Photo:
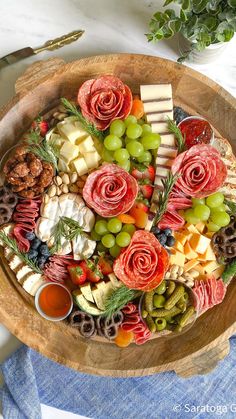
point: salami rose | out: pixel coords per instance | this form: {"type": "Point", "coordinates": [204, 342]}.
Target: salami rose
{"type": "Point", "coordinates": [110, 190]}
{"type": "Point", "coordinates": [142, 265]}
{"type": "Point", "coordinates": [104, 99]}
{"type": "Point", "coordinates": [201, 169]}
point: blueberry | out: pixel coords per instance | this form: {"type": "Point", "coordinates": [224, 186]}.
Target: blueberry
{"type": "Point", "coordinates": [44, 250]}
{"type": "Point", "coordinates": [41, 261]}
{"type": "Point", "coordinates": [170, 241]}
{"type": "Point", "coordinates": [167, 231]}
{"type": "Point", "coordinates": [35, 243]}
{"type": "Point", "coordinates": [30, 235]}
{"type": "Point", "coordinates": [179, 114]}
{"type": "Point", "coordinates": [155, 230]}
{"type": "Point", "coordinates": [32, 254]}
{"type": "Point", "coordinates": [162, 238]}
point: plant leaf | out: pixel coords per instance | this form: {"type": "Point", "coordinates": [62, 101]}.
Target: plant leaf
{"type": "Point", "coordinates": [199, 5]}
{"type": "Point", "coordinates": [232, 3]}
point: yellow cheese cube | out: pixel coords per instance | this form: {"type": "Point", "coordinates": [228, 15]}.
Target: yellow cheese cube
{"type": "Point", "coordinates": [191, 228]}
{"type": "Point", "coordinates": [92, 159]}
{"type": "Point", "coordinates": [210, 266]}
{"type": "Point", "coordinates": [218, 272]}
{"type": "Point", "coordinates": [69, 151]}
{"type": "Point", "coordinates": [190, 265]}
{"type": "Point", "coordinates": [180, 237]}
{"type": "Point", "coordinates": [200, 269]}
{"type": "Point", "coordinates": [86, 145]}
{"type": "Point", "coordinates": [179, 246]}
{"type": "Point", "coordinates": [189, 252]}
{"type": "Point", "coordinates": [199, 243]}
{"type": "Point", "coordinates": [177, 258]}
{"type": "Point", "coordinates": [63, 166]}
{"type": "Point", "coordinates": [209, 254]}
{"type": "Point", "coordinates": [80, 166]}
{"type": "Point", "coordinates": [210, 234]}
{"type": "Point", "coordinates": [200, 227]}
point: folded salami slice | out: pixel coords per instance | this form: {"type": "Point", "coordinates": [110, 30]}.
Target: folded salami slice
{"type": "Point", "coordinates": [208, 292]}
{"type": "Point", "coordinates": [25, 216]}
{"type": "Point", "coordinates": [110, 190]}
{"type": "Point", "coordinates": [171, 219]}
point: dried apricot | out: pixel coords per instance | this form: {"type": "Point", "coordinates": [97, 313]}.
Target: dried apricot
{"type": "Point", "coordinates": [126, 219]}
{"type": "Point", "coordinates": [140, 216]}
{"type": "Point", "coordinates": [123, 338]}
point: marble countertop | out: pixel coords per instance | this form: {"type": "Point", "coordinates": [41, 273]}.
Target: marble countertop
{"type": "Point", "coordinates": [110, 26]}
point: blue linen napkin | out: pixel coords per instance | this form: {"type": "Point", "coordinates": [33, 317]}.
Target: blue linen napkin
{"type": "Point", "coordinates": [31, 379]}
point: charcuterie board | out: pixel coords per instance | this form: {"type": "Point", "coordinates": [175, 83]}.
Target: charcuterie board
{"type": "Point", "coordinates": [38, 91]}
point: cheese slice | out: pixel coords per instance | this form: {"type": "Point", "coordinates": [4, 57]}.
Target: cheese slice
{"type": "Point", "coordinates": [22, 272]}
{"type": "Point", "coordinates": [159, 116]}
{"type": "Point", "coordinates": [164, 161]}
{"type": "Point", "coordinates": [80, 166]}
{"type": "Point", "coordinates": [191, 228]}
{"type": "Point", "coordinates": [155, 91]}
{"type": "Point", "coordinates": [182, 238]}
{"type": "Point", "coordinates": [162, 171]}
{"type": "Point", "coordinates": [179, 246]}
{"type": "Point", "coordinates": [199, 243]}
{"type": "Point", "coordinates": [167, 152]}
{"type": "Point", "coordinates": [86, 145]}
{"type": "Point", "coordinates": [32, 283]}
{"type": "Point", "coordinates": [69, 151]}
{"type": "Point", "coordinates": [209, 254]}
{"type": "Point", "coordinates": [200, 227]}
{"type": "Point", "coordinates": [218, 271]}
{"type": "Point", "coordinates": [177, 258]}
{"type": "Point", "coordinates": [189, 252]}
{"type": "Point", "coordinates": [158, 106]}
{"type": "Point", "coordinates": [210, 266]}
{"type": "Point", "coordinates": [160, 127]}
{"type": "Point", "coordinates": [14, 262]}
{"type": "Point", "coordinates": [190, 264]}
{"type": "Point", "coordinates": [8, 253]}
{"type": "Point", "coordinates": [92, 159]}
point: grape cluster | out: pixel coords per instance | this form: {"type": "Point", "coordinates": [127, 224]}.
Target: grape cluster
{"type": "Point", "coordinates": [112, 235]}
{"type": "Point", "coordinates": [211, 210]}
{"type": "Point", "coordinates": [39, 250]}
{"type": "Point", "coordinates": [164, 236]}
{"type": "Point", "coordinates": [130, 139]}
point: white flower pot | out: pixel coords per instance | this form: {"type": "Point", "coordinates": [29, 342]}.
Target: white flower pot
{"type": "Point", "coordinates": [208, 55]}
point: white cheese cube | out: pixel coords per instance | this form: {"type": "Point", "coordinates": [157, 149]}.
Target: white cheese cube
{"type": "Point", "coordinates": [70, 131]}
{"type": "Point", "coordinates": [92, 159]}
{"type": "Point", "coordinates": [69, 151]}
{"type": "Point", "coordinates": [63, 166]}
{"type": "Point", "coordinates": [80, 166]}
{"type": "Point", "coordinates": [86, 145]}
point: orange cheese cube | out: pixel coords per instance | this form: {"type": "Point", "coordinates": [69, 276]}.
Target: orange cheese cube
{"type": "Point", "coordinates": [191, 228]}
{"type": "Point", "coordinates": [190, 265]}
{"type": "Point", "coordinates": [209, 254]}
{"type": "Point", "coordinates": [200, 269]}
{"type": "Point", "coordinates": [199, 243]}
{"type": "Point", "coordinates": [189, 252]}
{"type": "Point", "coordinates": [179, 246]}
{"type": "Point", "coordinates": [210, 234]}
{"type": "Point", "coordinates": [218, 272]}
{"type": "Point", "coordinates": [210, 266]}
{"type": "Point", "coordinates": [180, 237]}
{"type": "Point", "coordinates": [177, 258]}
{"type": "Point", "coordinates": [200, 227]}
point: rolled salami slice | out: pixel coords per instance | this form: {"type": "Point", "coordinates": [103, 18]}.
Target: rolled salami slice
{"type": "Point", "coordinates": [208, 292]}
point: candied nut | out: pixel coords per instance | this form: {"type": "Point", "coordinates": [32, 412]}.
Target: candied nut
{"type": "Point", "coordinates": [80, 183]}
{"type": "Point", "coordinates": [73, 177]}
{"type": "Point", "coordinates": [58, 180]}
{"type": "Point", "coordinates": [61, 174]}
{"type": "Point", "coordinates": [64, 188]}
{"type": "Point", "coordinates": [52, 191]}
{"type": "Point", "coordinates": [65, 179]}
{"type": "Point", "coordinates": [84, 177]}
{"type": "Point", "coordinates": [73, 188]}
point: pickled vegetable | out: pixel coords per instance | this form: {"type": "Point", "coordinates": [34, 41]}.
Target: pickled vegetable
{"type": "Point", "coordinates": [175, 296]}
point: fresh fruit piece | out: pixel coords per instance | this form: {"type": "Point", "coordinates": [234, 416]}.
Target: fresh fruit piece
{"type": "Point", "coordinates": [41, 261]}
{"type": "Point", "coordinates": [114, 225]}
{"type": "Point", "coordinates": [35, 243]}
{"type": "Point", "coordinates": [108, 240]}
{"type": "Point", "coordinates": [146, 157]}
{"type": "Point", "coordinates": [93, 270]}
{"type": "Point", "coordinates": [117, 128]}
{"type": "Point", "coordinates": [137, 108]}
{"type": "Point", "coordinates": [121, 155]}
{"type": "Point", "coordinates": [41, 125]}
{"type": "Point", "coordinates": [134, 131]}
{"type": "Point", "coordinates": [190, 217]}
{"type": "Point", "coordinates": [131, 119]}
{"type": "Point", "coordinates": [135, 148]}
{"type": "Point", "coordinates": [44, 250]}
{"type": "Point", "coordinates": [215, 200]}
{"type": "Point", "coordinates": [147, 129]}
{"type": "Point", "coordinates": [129, 228]}
{"type": "Point", "coordinates": [198, 201]}
{"type": "Point", "coordinates": [95, 236]}
{"type": "Point", "coordinates": [115, 251]}
{"type": "Point", "coordinates": [77, 273]}
{"type": "Point", "coordinates": [100, 248]}
{"type": "Point", "coordinates": [126, 219]}
{"type": "Point", "coordinates": [105, 266]}
{"type": "Point", "coordinates": [162, 238]}
{"type": "Point", "coordinates": [140, 216]}
{"type": "Point", "coordinates": [101, 227]}
{"type": "Point", "coordinates": [220, 218]}
{"type": "Point", "coordinates": [221, 208]}
{"type": "Point", "coordinates": [170, 241]}
{"type": "Point", "coordinates": [151, 141]}
{"type": "Point", "coordinates": [125, 165]}
{"type": "Point", "coordinates": [112, 142]}
{"type": "Point", "coordinates": [143, 172]}
{"type": "Point", "coordinates": [30, 235]}
{"type": "Point", "coordinates": [202, 212]}
{"type": "Point", "coordinates": [141, 205]}
{"type": "Point", "coordinates": [123, 239]}
{"type": "Point", "coordinates": [124, 338]}
{"type": "Point", "coordinates": [146, 190]}
{"type": "Point", "coordinates": [107, 155]}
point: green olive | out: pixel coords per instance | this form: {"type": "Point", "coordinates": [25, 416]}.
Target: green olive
{"type": "Point", "coordinates": [160, 323]}
{"type": "Point", "coordinates": [159, 301]}
{"type": "Point", "coordinates": [161, 288]}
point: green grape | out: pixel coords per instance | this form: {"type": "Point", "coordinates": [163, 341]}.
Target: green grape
{"type": "Point", "coordinates": [220, 208]}
{"type": "Point", "coordinates": [101, 227]}
{"type": "Point", "coordinates": [108, 240]}
{"type": "Point", "coordinates": [198, 201]}
{"type": "Point", "coordinates": [146, 157]}
{"type": "Point", "coordinates": [215, 200]}
{"type": "Point", "coordinates": [151, 141]}
{"type": "Point", "coordinates": [117, 127]}
{"type": "Point", "coordinates": [123, 239]}
{"type": "Point", "coordinates": [135, 148]}
{"type": "Point", "coordinates": [129, 228]}
{"type": "Point", "coordinates": [112, 142]}
{"type": "Point", "coordinates": [128, 140]}
{"type": "Point", "coordinates": [212, 226]}
{"type": "Point", "coordinates": [115, 251]}
{"type": "Point", "coordinates": [220, 218]}
{"type": "Point", "coordinates": [125, 165]}
{"type": "Point", "coordinates": [134, 131]}
{"type": "Point", "coordinates": [131, 119]}
{"type": "Point", "coordinates": [141, 122]}
{"type": "Point", "coordinates": [121, 155]}
{"type": "Point", "coordinates": [100, 248]}
{"type": "Point", "coordinates": [107, 155]}
{"type": "Point", "coordinates": [202, 212]}
{"type": "Point", "coordinates": [190, 217]}
{"type": "Point", "coordinates": [95, 236]}
{"type": "Point", "coordinates": [147, 129]}
{"type": "Point", "coordinates": [114, 225]}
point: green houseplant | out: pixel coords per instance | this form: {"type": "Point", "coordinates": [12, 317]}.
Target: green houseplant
{"type": "Point", "coordinates": [200, 23]}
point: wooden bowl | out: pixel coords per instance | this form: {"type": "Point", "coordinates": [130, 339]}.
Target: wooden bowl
{"type": "Point", "coordinates": [198, 350]}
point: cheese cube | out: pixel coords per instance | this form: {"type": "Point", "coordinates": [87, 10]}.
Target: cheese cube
{"type": "Point", "coordinates": [80, 166]}
{"type": "Point", "coordinates": [200, 227]}
{"type": "Point", "coordinates": [210, 266]}
{"type": "Point", "coordinates": [209, 254]}
{"type": "Point", "coordinates": [199, 243]}
{"type": "Point", "coordinates": [92, 159]}
{"type": "Point", "coordinates": [191, 228]}
{"type": "Point", "coordinates": [180, 237]}
{"type": "Point", "coordinates": [69, 151]}
{"type": "Point", "coordinates": [189, 252]}
{"type": "Point", "coordinates": [179, 246]}
{"type": "Point", "coordinates": [63, 166]}
{"type": "Point", "coordinates": [71, 130]}
{"type": "Point", "coordinates": [177, 258]}
{"type": "Point", "coordinates": [190, 265]}
{"type": "Point", "coordinates": [200, 269]}
{"type": "Point", "coordinates": [210, 234]}
{"type": "Point", "coordinates": [86, 145]}
{"type": "Point", "coordinates": [218, 272]}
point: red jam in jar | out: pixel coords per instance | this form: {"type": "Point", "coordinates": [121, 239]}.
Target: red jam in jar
{"type": "Point", "coordinates": [195, 131]}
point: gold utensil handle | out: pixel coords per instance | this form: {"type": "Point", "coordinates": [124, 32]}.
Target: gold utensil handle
{"type": "Point", "coordinates": [60, 42]}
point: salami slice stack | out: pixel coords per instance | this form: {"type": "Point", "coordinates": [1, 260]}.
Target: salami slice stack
{"type": "Point", "coordinates": [208, 292]}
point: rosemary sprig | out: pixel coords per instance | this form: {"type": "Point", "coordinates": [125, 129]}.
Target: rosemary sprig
{"type": "Point", "coordinates": [42, 149]}
{"type": "Point", "coordinates": [88, 126]}
{"type": "Point", "coordinates": [118, 299]}
{"type": "Point", "coordinates": [178, 135]}
{"type": "Point", "coordinates": [8, 241]}
{"type": "Point", "coordinates": [168, 185]}
{"type": "Point", "coordinates": [65, 228]}
{"type": "Point", "coordinates": [231, 205]}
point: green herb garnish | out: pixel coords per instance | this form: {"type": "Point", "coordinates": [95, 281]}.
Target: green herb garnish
{"type": "Point", "coordinates": [12, 244]}
{"type": "Point", "coordinates": [65, 228]}
{"type": "Point", "coordinates": [88, 126]}
{"type": "Point", "coordinates": [180, 140]}
{"type": "Point", "coordinates": [168, 185]}
{"type": "Point", "coordinates": [118, 299]}
{"type": "Point", "coordinates": [41, 148]}
{"type": "Point", "coordinates": [231, 205]}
